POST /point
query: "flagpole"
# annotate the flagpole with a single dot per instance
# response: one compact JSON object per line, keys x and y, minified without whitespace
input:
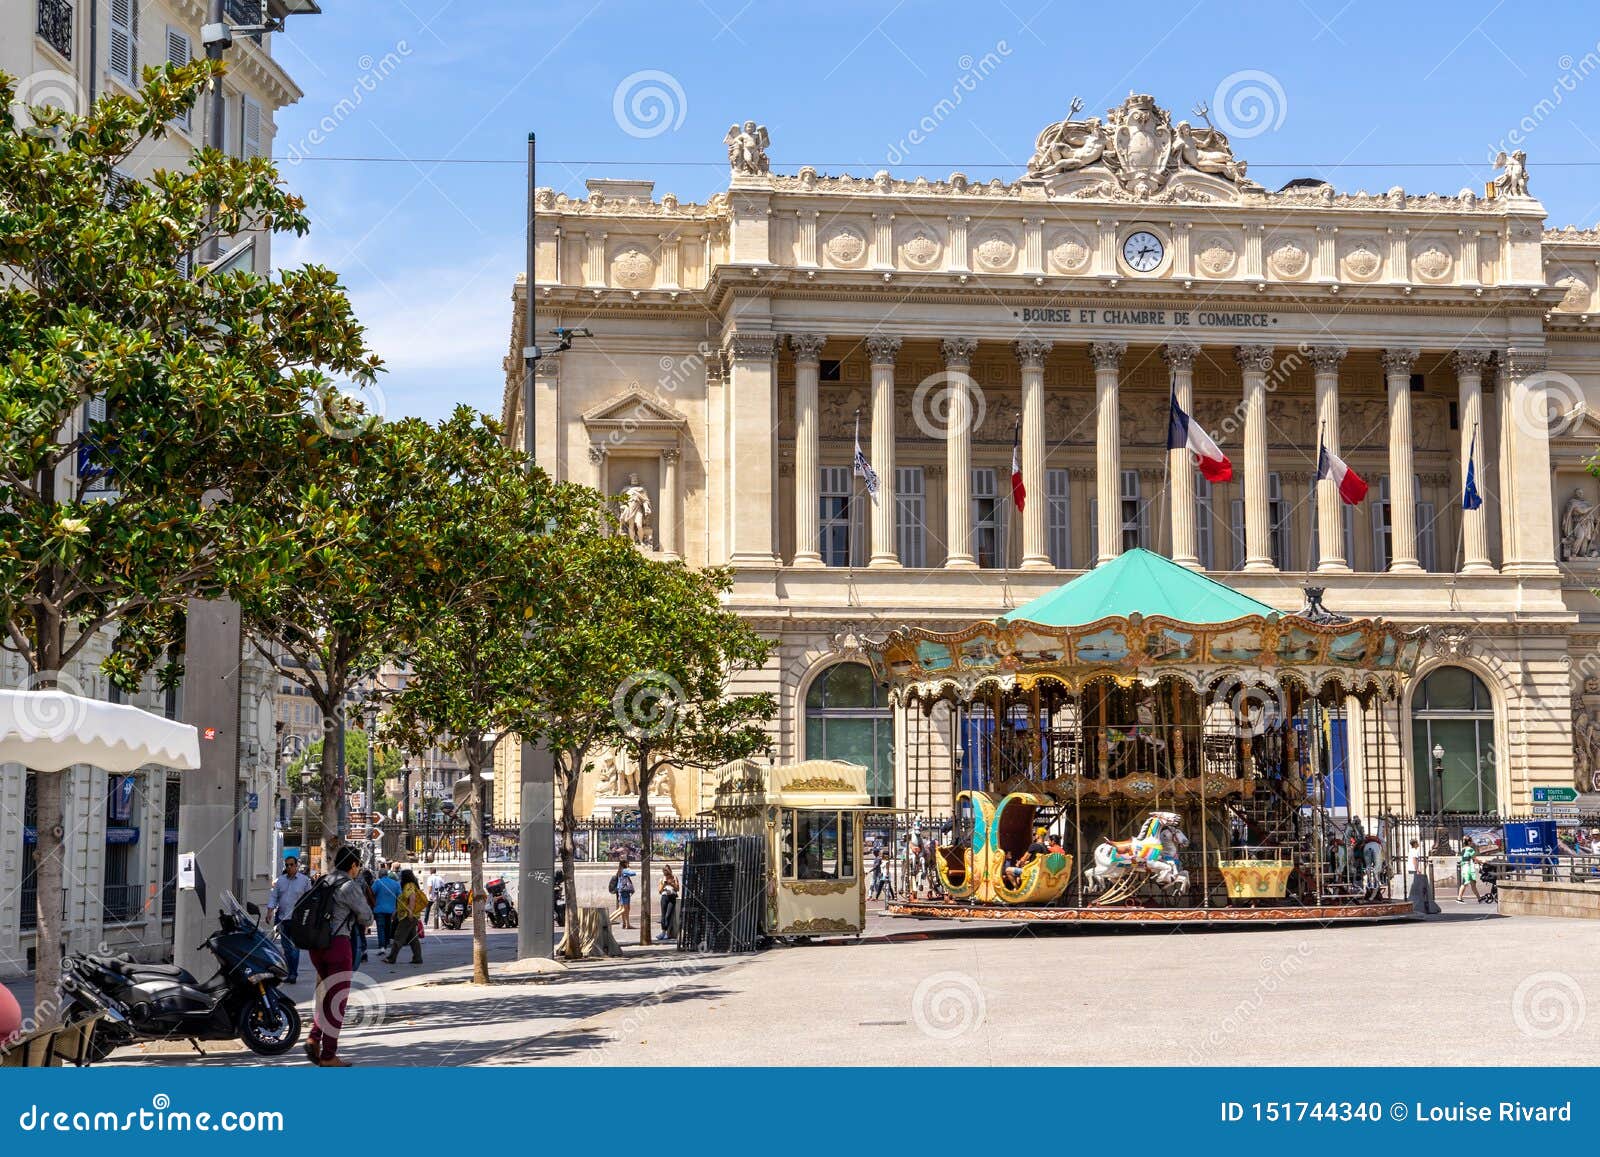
{"x":854,"y":598}
{"x":1166,"y":471}
{"x":1461,"y":525}
{"x":1316,"y":502}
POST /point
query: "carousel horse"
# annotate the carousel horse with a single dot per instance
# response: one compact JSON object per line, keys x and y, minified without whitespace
{"x":1369,"y":853}
{"x":1153,"y":853}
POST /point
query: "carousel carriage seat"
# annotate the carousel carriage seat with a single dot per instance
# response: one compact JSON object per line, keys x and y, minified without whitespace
{"x":1043,"y":878}
{"x":953,"y":867}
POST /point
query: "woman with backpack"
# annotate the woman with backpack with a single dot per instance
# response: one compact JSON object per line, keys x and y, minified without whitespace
{"x":347,"y":912}
{"x":621,"y":886}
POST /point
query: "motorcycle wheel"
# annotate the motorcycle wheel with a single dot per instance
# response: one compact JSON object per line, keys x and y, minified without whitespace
{"x":511,"y":920}
{"x":101,"y":1045}
{"x":270,"y":1032}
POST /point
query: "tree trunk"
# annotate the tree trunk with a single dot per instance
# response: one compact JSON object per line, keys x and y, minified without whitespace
{"x":646,"y":773}
{"x":48,"y":858}
{"x":480,"y":925}
{"x":569,"y":850}
{"x":332,"y":788}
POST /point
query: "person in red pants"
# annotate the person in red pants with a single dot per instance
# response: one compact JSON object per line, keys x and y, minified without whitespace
{"x":10,"y":1016}
{"x":335,"y":962}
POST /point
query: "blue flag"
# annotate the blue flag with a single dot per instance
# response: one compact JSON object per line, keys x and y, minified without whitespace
{"x":1470,"y":498}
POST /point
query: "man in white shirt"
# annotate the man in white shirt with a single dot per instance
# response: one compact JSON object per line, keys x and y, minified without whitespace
{"x":434,"y":888}
{"x":287,"y":890}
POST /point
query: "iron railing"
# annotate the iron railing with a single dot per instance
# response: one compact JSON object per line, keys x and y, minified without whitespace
{"x":55,"y":25}
{"x":597,"y":841}
{"x":122,"y":902}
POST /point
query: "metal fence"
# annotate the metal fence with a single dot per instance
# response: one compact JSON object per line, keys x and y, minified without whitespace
{"x":596,"y":841}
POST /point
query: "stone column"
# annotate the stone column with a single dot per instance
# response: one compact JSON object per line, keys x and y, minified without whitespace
{"x":667,"y":506}
{"x":958,"y":353}
{"x":1256,"y":363}
{"x":1397,"y":365}
{"x":807,"y":455}
{"x":1107,"y":356}
{"x":1180,"y":360}
{"x":1325,"y":361}
{"x":1525,"y":425}
{"x":752,"y":402}
{"x":1031,"y":352}
{"x":1469,"y":365}
{"x":881,"y":349}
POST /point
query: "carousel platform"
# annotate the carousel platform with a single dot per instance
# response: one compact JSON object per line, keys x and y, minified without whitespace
{"x":1323,"y":914}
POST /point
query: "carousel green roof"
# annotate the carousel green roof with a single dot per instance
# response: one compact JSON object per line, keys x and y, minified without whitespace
{"x":1139,"y":581}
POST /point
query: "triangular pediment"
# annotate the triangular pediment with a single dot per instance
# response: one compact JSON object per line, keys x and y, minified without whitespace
{"x":635,"y":407}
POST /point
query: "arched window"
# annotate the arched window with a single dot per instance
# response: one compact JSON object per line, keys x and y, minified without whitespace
{"x":847,"y":718}
{"x":1452,"y":711}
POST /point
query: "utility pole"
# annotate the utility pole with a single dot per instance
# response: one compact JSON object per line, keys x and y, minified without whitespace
{"x":536,"y":843}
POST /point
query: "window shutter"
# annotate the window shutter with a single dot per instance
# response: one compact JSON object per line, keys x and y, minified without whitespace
{"x":250,"y":128}
{"x":1202,"y":522}
{"x":1426,"y":557}
{"x":1380,"y":526}
{"x":122,"y":49}
{"x":179,"y":52}
{"x":1094,"y":531}
{"x":910,"y":516}
{"x":1058,"y":518}
{"x":861,"y":507}
{"x":988,"y":520}
{"x":1134,"y":516}
{"x":1236,"y":531}
{"x":1349,"y":521}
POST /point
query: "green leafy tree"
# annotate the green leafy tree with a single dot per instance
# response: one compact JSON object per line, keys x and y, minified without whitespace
{"x":676,"y":711}
{"x":476,"y":671}
{"x":202,"y":383}
{"x":304,"y":770}
{"x":340,"y":608}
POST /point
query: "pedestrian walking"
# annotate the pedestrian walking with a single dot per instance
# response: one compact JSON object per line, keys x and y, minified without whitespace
{"x":386,"y":894}
{"x":1467,"y":871}
{"x":365,"y":878}
{"x":335,"y":963}
{"x":435,"y":897}
{"x":286,"y":892}
{"x":669,"y":901}
{"x":409,"y":907}
{"x":621,"y":887}
{"x":880,"y":876}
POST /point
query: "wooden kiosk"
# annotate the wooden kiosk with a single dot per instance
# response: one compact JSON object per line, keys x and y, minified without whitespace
{"x":809,"y":819}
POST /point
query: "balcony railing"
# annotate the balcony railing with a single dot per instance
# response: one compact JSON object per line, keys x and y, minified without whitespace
{"x":55,"y":25}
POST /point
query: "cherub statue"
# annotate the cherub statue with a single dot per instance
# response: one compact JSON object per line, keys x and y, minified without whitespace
{"x":1512,"y":180}
{"x":747,"y":147}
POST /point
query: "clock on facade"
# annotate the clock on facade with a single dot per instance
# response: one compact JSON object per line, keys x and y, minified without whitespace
{"x":1142,"y":251}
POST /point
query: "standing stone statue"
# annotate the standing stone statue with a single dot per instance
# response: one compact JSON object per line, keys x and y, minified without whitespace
{"x":636,"y":511}
{"x":1512,"y":180}
{"x":1580,"y":535}
{"x":747,"y":148}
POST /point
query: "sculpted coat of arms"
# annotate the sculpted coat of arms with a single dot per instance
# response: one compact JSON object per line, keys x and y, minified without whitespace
{"x":1138,"y":146}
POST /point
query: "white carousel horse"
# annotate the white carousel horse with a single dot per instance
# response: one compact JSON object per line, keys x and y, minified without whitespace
{"x":1153,"y":851}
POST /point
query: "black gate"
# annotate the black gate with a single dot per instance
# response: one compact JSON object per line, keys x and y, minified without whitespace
{"x":723,"y":883}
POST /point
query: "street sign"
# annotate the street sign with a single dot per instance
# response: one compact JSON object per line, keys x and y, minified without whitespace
{"x":1555,"y":795}
{"x":362,"y":819}
{"x":365,"y":833}
{"x":252,"y":801}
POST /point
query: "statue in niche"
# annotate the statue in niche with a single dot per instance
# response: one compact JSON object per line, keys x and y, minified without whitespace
{"x":636,"y":511}
{"x":1580,"y":528}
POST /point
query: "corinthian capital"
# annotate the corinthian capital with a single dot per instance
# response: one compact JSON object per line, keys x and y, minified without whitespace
{"x":1107,"y":355}
{"x":1400,"y":361}
{"x":807,"y":346}
{"x":882,"y":348}
{"x":958,"y":351}
{"x":1180,"y":355}
{"x":745,"y":346}
{"x":1325,"y":359}
{"x":1470,"y":361}
{"x":1522,"y":363}
{"x":1031,"y":352}
{"x":1254,"y":357}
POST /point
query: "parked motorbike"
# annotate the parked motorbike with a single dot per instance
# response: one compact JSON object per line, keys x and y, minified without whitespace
{"x":560,"y":890}
{"x":455,"y":910}
{"x":158,"y":1001}
{"x":501,"y":911}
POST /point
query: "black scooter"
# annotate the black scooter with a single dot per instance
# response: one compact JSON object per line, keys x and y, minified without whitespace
{"x":501,"y":911}
{"x":456,"y":911}
{"x":158,"y":1001}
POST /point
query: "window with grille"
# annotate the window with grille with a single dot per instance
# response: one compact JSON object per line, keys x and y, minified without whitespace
{"x":911,"y":518}
{"x":1202,"y":521}
{"x":834,"y":519}
{"x":28,"y":898}
{"x":94,"y":460}
{"x":988,"y":517}
{"x":180,"y":51}
{"x":1058,"y":518}
{"x":120,"y":885}
{"x":55,"y":25}
{"x":169,"y":850}
{"x":122,"y":47}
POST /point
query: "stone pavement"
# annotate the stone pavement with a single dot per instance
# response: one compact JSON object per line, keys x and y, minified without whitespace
{"x":1468,"y":987}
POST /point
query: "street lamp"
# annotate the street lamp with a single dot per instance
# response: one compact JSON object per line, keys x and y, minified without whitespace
{"x":1441,"y":838}
{"x":1437,"y":779}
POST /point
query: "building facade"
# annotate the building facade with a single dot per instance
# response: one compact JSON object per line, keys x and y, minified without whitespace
{"x":743,"y":349}
{"x":122,"y":830}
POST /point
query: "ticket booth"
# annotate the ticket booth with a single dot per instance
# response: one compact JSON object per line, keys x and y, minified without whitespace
{"x":809,"y":816}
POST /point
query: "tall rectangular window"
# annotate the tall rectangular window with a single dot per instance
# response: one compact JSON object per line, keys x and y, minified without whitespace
{"x":1202,"y":521}
{"x":120,"y":886}
{"x":835,"y":494}
{"x":249,"y":128}
{"x":1382,"y":539}
{"x":1280,"y":526}
{"x":28,"y":898}
{"x":988,"y":521}
{"x":122,"y":47}
{"x":1427,"y":555}
{"x":910,"y":515}
{"x":1058,"y":518}
{"x":180,"y":51}
{"x":1236,"y":531}
{"x":1135,"y":522}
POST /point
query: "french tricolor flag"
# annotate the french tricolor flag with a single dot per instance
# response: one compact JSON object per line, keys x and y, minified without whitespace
{"x":1351,"y":486}
{"x":1019,"y":492}
{"x":1184,"y":433}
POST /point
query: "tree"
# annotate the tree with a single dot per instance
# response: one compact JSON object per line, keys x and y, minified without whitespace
{"x":338,"y":610}
{"x":143,"y":411}
{"x":304,"y":770}
{"x":676,"y":712}
{"x":475,"y":673}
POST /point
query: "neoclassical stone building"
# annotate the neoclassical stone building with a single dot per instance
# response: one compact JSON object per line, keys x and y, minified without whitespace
{"x":741,"y":347}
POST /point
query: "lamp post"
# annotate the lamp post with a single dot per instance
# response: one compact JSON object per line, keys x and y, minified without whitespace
{"x":1441,"y":838}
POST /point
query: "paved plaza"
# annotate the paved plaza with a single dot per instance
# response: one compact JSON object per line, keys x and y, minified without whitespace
{"x":1467,"y":987}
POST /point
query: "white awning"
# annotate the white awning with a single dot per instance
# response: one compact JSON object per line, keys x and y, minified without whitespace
{"x":52,"y":730}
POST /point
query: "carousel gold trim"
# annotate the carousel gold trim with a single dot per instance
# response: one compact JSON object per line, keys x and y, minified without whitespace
{"x":819,"y":924}
{"x":821,"y":783}
{"x":819,"y":887}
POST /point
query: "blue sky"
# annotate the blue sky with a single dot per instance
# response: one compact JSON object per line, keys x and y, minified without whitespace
{"x":1367,"y":95}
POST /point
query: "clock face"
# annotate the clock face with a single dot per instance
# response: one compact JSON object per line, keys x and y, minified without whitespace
{"x":1142,"y":251}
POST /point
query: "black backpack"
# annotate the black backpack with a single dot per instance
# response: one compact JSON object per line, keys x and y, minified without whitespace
{"x":310,"y":925}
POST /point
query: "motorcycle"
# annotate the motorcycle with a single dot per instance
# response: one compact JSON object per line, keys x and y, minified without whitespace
{"x":559,"y":886}
{"x":455,"y":910}
{"x":157,"y":1001}
{"x":501,"y":911}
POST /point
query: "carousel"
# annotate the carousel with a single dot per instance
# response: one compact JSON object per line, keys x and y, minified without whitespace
{"x":1148,"y":745}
